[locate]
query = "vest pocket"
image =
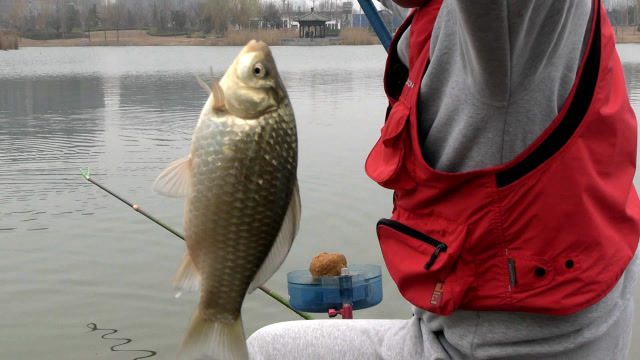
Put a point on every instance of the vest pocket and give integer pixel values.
(421, 257)
(385, 163)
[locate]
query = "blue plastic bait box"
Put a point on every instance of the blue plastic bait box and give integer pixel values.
(362, 287)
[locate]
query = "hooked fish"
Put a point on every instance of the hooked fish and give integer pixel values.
(242, 208)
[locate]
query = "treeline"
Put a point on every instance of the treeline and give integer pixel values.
(163, 16)
(624, 12)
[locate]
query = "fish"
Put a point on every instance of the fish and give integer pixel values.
(242, 200)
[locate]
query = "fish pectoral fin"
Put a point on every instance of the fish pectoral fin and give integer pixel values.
(187, 277)
(175, 180)
(282, 245)
(203, 84)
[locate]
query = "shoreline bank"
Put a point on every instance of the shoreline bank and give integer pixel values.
(624, 35)
(141, 38)
(627, 34)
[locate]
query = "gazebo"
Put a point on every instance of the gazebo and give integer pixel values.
(312, 25)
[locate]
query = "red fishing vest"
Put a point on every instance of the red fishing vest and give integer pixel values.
(549, 232)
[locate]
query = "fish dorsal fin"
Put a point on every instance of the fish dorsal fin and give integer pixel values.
(283, 242)
(213, 78)
(218, 95)
(175, 180)
(215, 90)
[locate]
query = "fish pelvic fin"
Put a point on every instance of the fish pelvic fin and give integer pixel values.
(187, 278)
(283, 243)
(207, 339)
(175, 180)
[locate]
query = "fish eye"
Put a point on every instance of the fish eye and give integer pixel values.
(259, 70)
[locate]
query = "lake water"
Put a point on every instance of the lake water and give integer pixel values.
(73, 255)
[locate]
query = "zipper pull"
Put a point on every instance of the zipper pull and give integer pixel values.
(437, 251)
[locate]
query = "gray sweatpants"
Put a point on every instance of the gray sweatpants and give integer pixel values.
(414, 339)
(600, 332)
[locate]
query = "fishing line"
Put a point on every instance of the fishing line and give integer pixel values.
(94, 327)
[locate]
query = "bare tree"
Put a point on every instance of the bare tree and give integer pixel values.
(164, 7)
(324, 5)
(637, 15)
(178, 20)
(83, 11)
(242, 11)
(71, 18)
(93, 17)
(620, 10)
(194, 15)
(271, 15)
(17, 15)
(218, 12)
(300, 6)
(140, 13)
(42, 20)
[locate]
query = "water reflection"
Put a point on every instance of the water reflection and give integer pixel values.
(45, 95)
(45, 124)
(630, 57)
(632, 76)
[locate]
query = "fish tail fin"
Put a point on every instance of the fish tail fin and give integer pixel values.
(208, 339)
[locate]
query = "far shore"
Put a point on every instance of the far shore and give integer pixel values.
(141, 38)
(627, 34)
(124, 38)
(624, 34)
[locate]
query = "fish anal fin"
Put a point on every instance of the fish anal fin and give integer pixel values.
(282, 245)
(187, 277)
(175, 180)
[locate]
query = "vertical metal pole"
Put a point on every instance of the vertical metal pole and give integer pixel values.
(376, 22)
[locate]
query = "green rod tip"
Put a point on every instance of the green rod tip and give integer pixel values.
(85, 174)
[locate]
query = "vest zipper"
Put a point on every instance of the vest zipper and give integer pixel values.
(439, 248)
(404, 229)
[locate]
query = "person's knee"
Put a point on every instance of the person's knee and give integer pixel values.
(261, 335)
(257, 344)
(267, 340)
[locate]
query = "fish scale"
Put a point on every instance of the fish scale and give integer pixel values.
(242, 200)
(241, 212)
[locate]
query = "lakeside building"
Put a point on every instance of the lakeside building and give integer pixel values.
(340, 17)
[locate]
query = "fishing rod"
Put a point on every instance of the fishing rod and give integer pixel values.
(371, 12)
(137, 208)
